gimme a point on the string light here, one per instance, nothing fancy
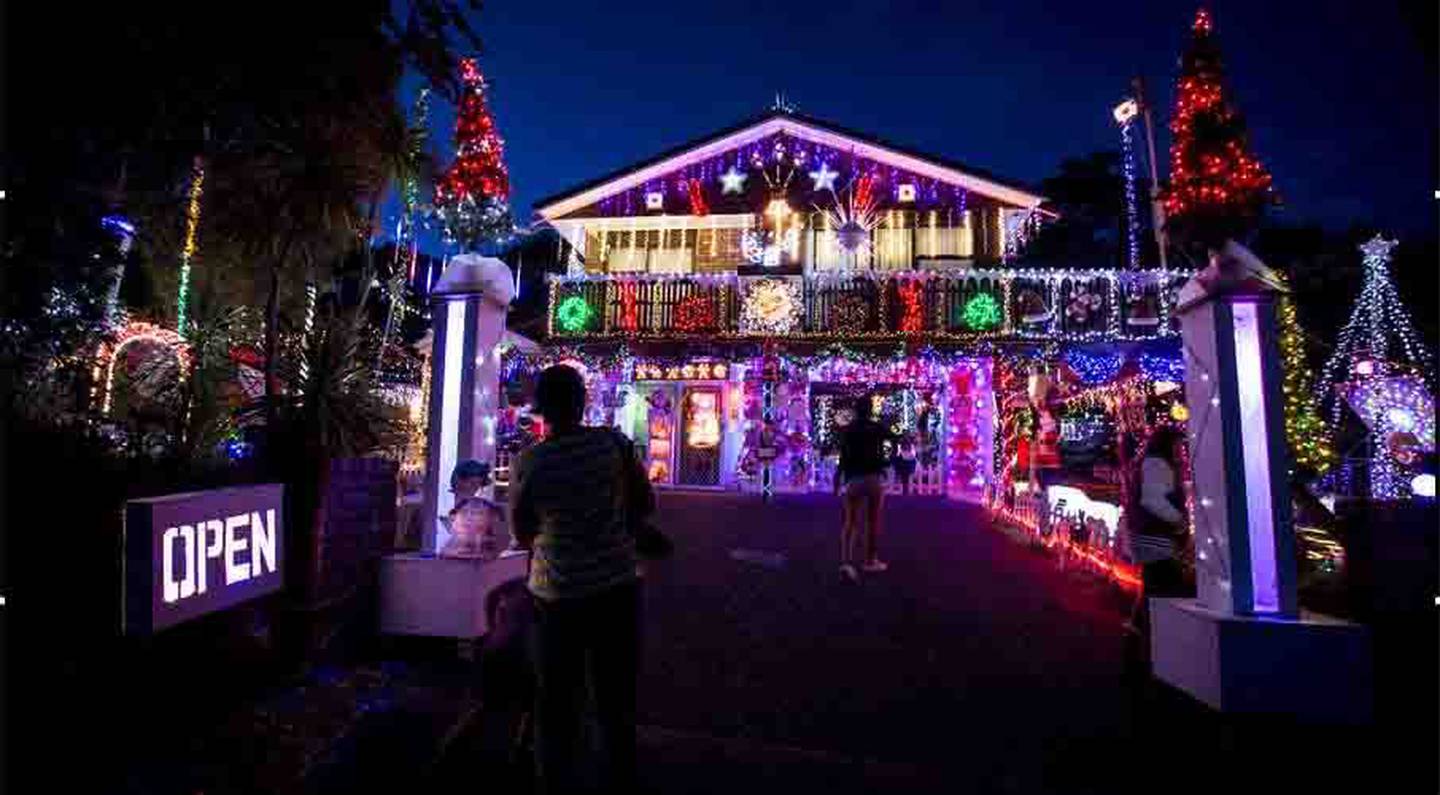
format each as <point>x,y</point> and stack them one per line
<point>1025,318</point>
<point>102,374</point>
<point>770,306</point>
<point>1132,215</point>
<point>1306,432</point>
<point>1380,337</point>
<point>1095,369</point>
<point>982,313</point>
<point>1212,177</point>
<point>187,252</point>
<point>574,314</point>
<point>472,196</point>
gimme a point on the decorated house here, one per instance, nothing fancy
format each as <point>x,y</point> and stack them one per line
<point>729,299</point>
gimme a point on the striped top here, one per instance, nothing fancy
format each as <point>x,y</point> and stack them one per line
<point>569,497</point>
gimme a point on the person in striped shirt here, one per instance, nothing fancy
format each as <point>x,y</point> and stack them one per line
<point>576,498</point>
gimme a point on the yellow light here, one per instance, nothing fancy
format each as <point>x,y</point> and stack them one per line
<point>1179,412</point>
<point>778,210</point>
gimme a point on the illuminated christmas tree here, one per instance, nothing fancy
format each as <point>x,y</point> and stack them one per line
<point>1217,188</point>
<point>1380,339</point>
<point>1385,372</point>
<point>472,197</point>
<point>1309,435</point>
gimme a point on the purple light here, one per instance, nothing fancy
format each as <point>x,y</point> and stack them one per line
<point>1250,387</point>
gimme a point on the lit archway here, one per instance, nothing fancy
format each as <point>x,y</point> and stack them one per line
<point>103,374</point>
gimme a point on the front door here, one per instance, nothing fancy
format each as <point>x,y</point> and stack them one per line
<point>700,436</point>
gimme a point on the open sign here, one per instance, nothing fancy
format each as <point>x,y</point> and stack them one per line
<point>187,555</point>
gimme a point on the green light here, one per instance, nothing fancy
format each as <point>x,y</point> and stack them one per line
<point>981,313</point>
<point>574,314</point>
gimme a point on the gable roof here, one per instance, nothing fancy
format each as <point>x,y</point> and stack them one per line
<point>800,126</point>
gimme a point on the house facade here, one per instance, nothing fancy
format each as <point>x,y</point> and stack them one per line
<point>729,300</point>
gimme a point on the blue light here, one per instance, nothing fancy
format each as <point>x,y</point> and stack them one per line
<point>1132,223</point>
<point>1095,369</point>
<point>1162,368</point>
<point>117,224</point>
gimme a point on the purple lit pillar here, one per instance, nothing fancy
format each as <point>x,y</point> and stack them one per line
<point>468,310</point>
<point>1243,644</point>
<point>1244,543</point>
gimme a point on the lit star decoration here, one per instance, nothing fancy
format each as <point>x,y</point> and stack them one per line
<point>574,314</point>
<point>824,178</point>
<point>732,181</point>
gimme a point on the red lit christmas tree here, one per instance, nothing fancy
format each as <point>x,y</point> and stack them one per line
<point>1217,188</point>
<point>472,197</point>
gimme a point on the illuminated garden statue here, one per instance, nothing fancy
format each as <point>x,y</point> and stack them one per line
<point>472,196</point>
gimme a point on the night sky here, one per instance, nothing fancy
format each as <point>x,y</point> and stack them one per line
<point>1340,98</point>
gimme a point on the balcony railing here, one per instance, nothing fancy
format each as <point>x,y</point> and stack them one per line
<point>973,304</point>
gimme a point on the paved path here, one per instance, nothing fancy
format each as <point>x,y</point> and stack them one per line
<point>972,665</point>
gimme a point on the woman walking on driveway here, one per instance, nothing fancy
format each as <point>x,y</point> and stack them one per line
<point>860,480</point>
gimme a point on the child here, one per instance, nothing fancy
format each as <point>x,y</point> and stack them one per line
<point>467,482</point>
<point>475,524</point>
<point>904,463</point>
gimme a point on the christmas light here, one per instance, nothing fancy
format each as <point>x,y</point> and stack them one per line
<point>102,374</point>
<point>732,181</point>
<point>1380,337</point>
<point>1162,368</point>
<point>912,319</point>
<point>696,193</point>
<point>1126,120</point>
<point>472,196</point>
<point>629,306</point>
<point>1095,369</point>
<point>770,306</point>
<point>1306,432</point>
<point>187,252</point>
<point>574,314</point>
<point>695,313</point>
<point>879,319</point>
<point>1214,183</point>
<point>824,178</point>
<point>982,313</point>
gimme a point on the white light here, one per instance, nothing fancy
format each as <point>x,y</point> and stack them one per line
<point>2,198</point>
<point>1423,485</point>
<point>906,193</point>
<point>1215,401</point>
<point>1126,111</point>
<point>1400,419</point>
<point>655,200</point>
<point>732,181</point>
<point>824,178</point>
<point>1206,502</point>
